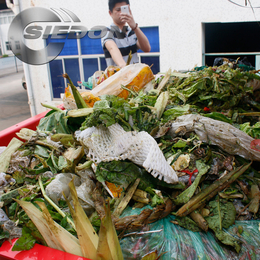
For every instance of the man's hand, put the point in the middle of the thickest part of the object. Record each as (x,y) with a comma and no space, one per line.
(142,41)
(128,18)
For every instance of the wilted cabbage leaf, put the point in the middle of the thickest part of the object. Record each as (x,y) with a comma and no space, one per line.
(223,214)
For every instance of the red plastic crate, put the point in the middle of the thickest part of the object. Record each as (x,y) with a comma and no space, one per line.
(31,123)
(38,252)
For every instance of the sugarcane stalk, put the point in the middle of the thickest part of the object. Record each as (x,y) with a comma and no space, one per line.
(211,191)
(201,222)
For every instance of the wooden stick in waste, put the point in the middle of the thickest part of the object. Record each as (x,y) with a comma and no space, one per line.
(211,191)
(122,205)
(201,222)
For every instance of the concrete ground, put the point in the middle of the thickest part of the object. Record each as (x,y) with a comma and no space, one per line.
(14,106)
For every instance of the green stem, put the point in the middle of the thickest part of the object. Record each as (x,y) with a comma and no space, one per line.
(85,165)
(54,205)
(51,107)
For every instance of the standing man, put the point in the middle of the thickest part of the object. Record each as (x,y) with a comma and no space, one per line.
(120,38)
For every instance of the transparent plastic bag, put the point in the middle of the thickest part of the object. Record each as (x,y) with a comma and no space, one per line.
(134,77)
(182,244)
(224,135)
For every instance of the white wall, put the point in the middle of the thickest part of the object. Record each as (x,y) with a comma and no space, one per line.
(180,29)
(5,16)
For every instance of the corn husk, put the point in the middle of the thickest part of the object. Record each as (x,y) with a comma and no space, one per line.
(54,235)
(88,237)
(164,81)
(108,246)
(67,241)
(161,103)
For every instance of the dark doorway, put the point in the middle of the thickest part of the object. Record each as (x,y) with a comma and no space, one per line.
(232,40)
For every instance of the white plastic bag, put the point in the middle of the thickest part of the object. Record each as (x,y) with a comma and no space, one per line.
(224,135)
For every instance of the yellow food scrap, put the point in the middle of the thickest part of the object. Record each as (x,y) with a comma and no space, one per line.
(115,189)
(181,163)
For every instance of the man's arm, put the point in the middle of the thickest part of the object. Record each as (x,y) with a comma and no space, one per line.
(142,41)
(115,53)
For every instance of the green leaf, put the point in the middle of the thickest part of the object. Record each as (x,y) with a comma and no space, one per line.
(156,200)
(12,209)
(253,131)
(246,128)
(19,177)
(219,116)
(41,151)
(54,122)
(123,173)
(105,116)
(188,92)
(180,144)
(49,162)
(101,104)
(188,223)
(175,112)
(25,242)
(4,234)
(223,214)
(62,162)
(185,196)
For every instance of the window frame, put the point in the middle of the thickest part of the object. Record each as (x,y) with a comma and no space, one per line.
(81,56)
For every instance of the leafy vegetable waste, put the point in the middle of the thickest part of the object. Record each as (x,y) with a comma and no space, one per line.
(183,149)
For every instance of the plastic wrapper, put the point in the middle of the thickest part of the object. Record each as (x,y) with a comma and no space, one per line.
(133,77)
(100,76)
(60,184)
(5,179)
(181,244)
(84,192)
(3,216)
(224,135)
(84,187)
(13,230)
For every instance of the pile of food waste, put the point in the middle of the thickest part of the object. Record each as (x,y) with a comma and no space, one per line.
(140,167)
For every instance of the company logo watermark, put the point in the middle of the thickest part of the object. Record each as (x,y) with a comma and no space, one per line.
(61,24)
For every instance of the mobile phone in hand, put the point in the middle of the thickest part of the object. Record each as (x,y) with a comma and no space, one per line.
(125,9)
